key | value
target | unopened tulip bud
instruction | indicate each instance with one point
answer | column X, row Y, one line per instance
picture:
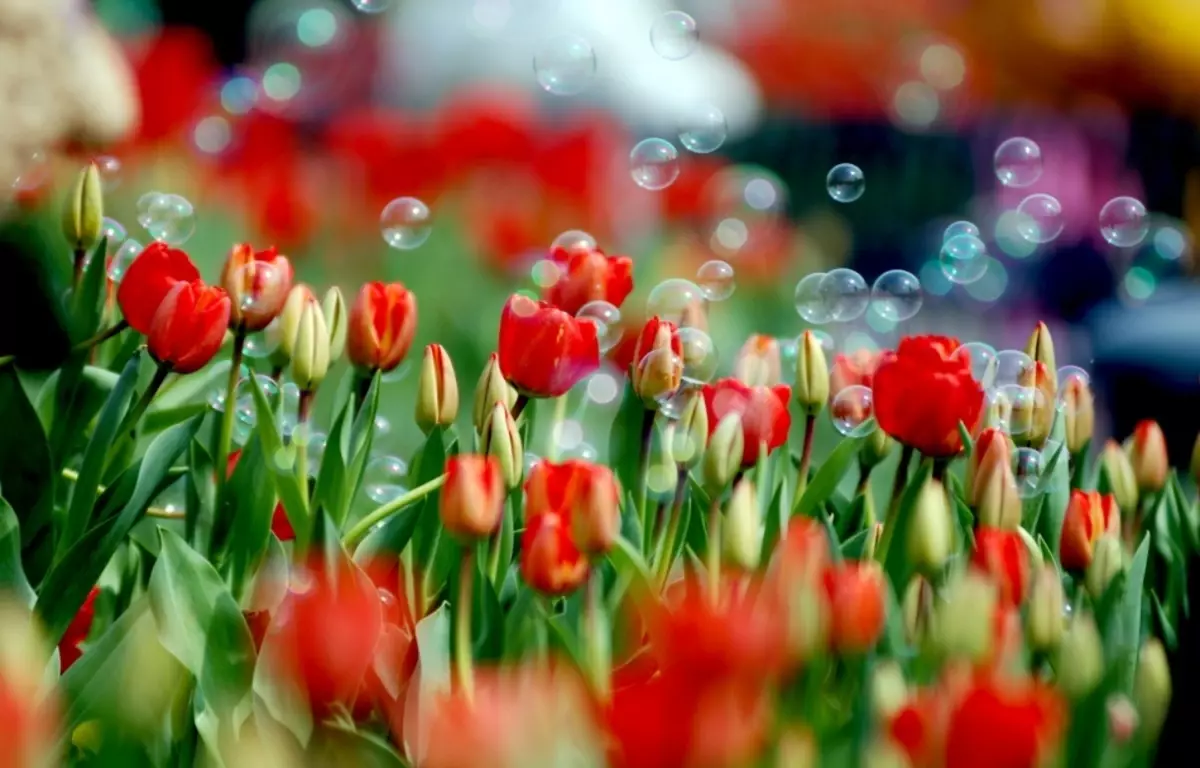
column 437, row 390
column 1033, row 409
column 1152, row 688
column 472, row 500
column 742, row 528
column 917, row 608
column 1148, row 456
column 758, row 362
column 723, row 458
column 889, row 690
column 595, row 509
column 1044, row 623
column 690, row 436
column 1108, row 559
column 1036, row 560
column 1121, row 481
column 930, row 532
column 963, row 621
column 807, row 617
column 334, row 309
column 83, row 215
column 289, row 323
column 998, row 503
column 1079, row 413
column 258, row 284
column 812, row 374
column 1080, row 658
column 491, row 389
column 1040, row 348
column 310, row 357
column 1122, row 718
column 992, row 452
column 658, row 362
column 501, row 438
column 876, row 448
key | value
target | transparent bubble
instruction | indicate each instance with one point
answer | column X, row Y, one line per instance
column 565, row 66
column 112, row 231
column 897, row 295
column 405, row 223
column 1123, row 222
column 851, row 411
column 604, row 386
column 1068, row 372
column 573, row 239
column 570, row 434
column 247, row 413
column 963, row 259
column 1018, row 162
column 144, row 204
column 699, row 355
column 716, row 279
column 844, row 294
column 119, row 264
column 383, row 427
column 1021, row 406
column 1012, row 367
column 317, row 442
column 257, row 280
column 399, row 373
column 531, row 460
column 670, row 407
column 704, row 131
column 809, row 302
column 960, row 228
column 654, row 164
column 982, row 358
column 660, row 366
column 545, row 273
column 845, row 182
column 371, row 6
column 1029, row 465
column 1040, row 218
column 607, row 319
column 672, row 298
column 262, row 343
column 109, row 169
column 383, row 479
column 170, row 219
column 36, row 172
column 288, row 413
column 673, row 35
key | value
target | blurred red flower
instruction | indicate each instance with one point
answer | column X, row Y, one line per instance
column 1002, row 555
column 856, row 368
column 77, row 632
column 858, row 605
column 550, row 561
column 587, row 275
column 764, row 412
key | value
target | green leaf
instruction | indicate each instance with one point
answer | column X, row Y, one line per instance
column 1057, row 486
column 286, row 483
column 69, row 581
column 252, row 495
column 88, row 298
column 337, row 744
column 964, row 434
column 184, row 397
column 520, row 625
column 12, row 572
column 627, row 559
column 776, row 521
column 390, row 538
column 432, row 458
column 85, row 491
column 331, row 478
column 895, row 541
column 433, row 674
column 853, row 547
column 94, row 386
column 1126, row 636
column 26, row 479
column 507, row 534
column 827, row 478
column 277, row 692
column 625, row 438
column 359, row 452
column 1165, row 626
column 487, row 617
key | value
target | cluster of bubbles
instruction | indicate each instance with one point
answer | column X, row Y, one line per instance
column 166, row 217
column 842, row 295
column 405, row 223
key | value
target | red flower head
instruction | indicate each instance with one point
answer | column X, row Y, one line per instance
column 189, row 326
column 257, row 284
column 472, row 500
column 586, row 494
column 543, row 350
column 1089, row 516
column 149, row 279
column 1000, row 723
column 77, row 631
column 856, row 601
column 923, row 390
column 657, row 368
column 1002, row 555
column 856, row 368
column 764, row 412
column 588, row 274
column 383, row 321
column 550, row 561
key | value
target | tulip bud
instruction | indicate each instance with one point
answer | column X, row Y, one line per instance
column 1148, row 456
column 690, row 436
column 334, row 309
column 1044, row 622
column 742, row 528
column 1034, row 409
column 963, row 622
column 930, row 532
column 889, row 690
column 917, row 608
column 999, row 503
column 858, row 608
column 289, row 323
column 472, row 499
column 437, row 390
column 595, row 509
column 992, row 452
column 501, row 438
column 1108, row 559
column 1152, row 688
column 1122, row 718
column 310, row 357
column 1079, row 413
column 1121, row 480
column 658, row 362
column 1080, row 658
column 1032, row 549
column 1040, row 349
column 491, row 389
column 258, row 285
column 876, row 448
column 83, row 215
column 758, row 362
column 723, row 458
column 812, row 374
column 806, row 608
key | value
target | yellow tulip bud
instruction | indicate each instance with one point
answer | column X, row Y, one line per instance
column 743, row 527
column 1044, row 624
column 1080, row 658
column 83, row 215
column 310, row 357
column 1152, row 689
column 963, row 622
column 1121, row 481
column 491, row 389
column 1079, row 413
column 501, row 438
column 930, row 532
column 758, row 362
column 1040, row 349
column 690, row 436
column 437, row 390
column 289, row 323
column 723, row 458
column 1108, row 559
column 812, row 374
column 334, row 309
column 889, row 689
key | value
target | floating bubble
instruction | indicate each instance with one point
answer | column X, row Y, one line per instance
column 673, row 35
column 109, row 169
column 604, row 386
column 810, row 304
column 1123, row 222
column 383, row 479
column 607, row 319
column 288, row 413
column 844, row 293
column 261, row 344
column 743, row 207
column 659, row 365
column 371, row 6
column 1021, row 407
column 258, row 280
column 170, row 219
column 317, row 442
column 1012, row 367
column 960, row 228
column 1068, row 372
column 565, row 66
column 1029, row 466
column 845, row 182
column 126, row 253
column 705, row 130
column 383, row 427
column 851, row 411
column 112, row 231
column 654, row 164
column 699, row 355
column 897, row 295
column 247, row 413
column 143, row 206
column 35, row 174
column 982, row 358
column 569, row 434
column 1040, row 218
column 405, row 223
column 545, row 273
column 672, row 298
column 963, row 259
column 716, row 279
column 573, row 239
column 1018, row 162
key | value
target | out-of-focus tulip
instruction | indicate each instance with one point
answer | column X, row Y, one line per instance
column 1121, row 481
column 437, row 390
column 383, row 321
column 310, row 355
column 889, row 689
column 1148, row 455
column 491, row 389
column 690, row 437
column 1002, row 555
column 1089, row 516
column 931, row 530
column 742, row 529
column 586, row 275
column 1152, row 688
column 1080, row 658
column 585, row 494
column 657, row 369
column 1079, row 413
column 1040, row 349
column 501, row 438
column 812, row 374
column 856, row 600
column 1108, row 560
column 798, row 575
column 758, row 362
column 83, row 214
column 1003, row 722
column 857, row 368
column 77, row 632
column 723, row 458
column 963, row 622
column 763, row 410
column 923, row 391
column 550, row 561
column 334, row 309
column 543, row 350
column 151, row 276
column 1044, row 623
column 472, row 500
column 258, row 284
column 189, row 326
column 1034, row 411
column 29, row 715
column 998, row 503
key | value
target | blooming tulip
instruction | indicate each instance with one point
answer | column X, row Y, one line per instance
column 257, row 283
column 550, row 561
column 856, row 599
column 543, row 351
column 188, row 328
column 1089, row 516
column 657, row 369
column 586, row 275
column 586, row 494
column 763, row 410
column 383, row 321
column 472, row 499
column 437, row 390
column 1148, row 455
column 151, row 276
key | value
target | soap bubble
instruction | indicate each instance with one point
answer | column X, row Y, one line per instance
column 1040, row 218
column 810, row 304
column 565, row 66
column 845, row 182
column 654, row 164
column 704, row 131
column 851, row 411
column 607, row 319
column 384, row 478
column 1018, row 162
column 673, row 35
column 960, row 228
column 963, row 259
column 897, row 295
column 1123, row 222
column 405, row 223
column 716, row 279
column 170, row 219
column 844, row 293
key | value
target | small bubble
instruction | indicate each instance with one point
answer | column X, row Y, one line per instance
column 1040, row 218
column 144, row 204
column 705, row 130
column 603, row 387
column 565, row 66
column 405, row 223
column 963, row 259
column 246, row 410
column 1028, row 467
column 545, row 273
column 109, row 169
column 126, row 253
column 845, row 294
column 716, row 279
column 982, row 358
column 170, row 219
column 1012, row 367
column 960, row 228
column 673, row 35
column 851, row 411
column 672, row 298
column 699, row 355
column 1022, row 405
column 383, row 479
column 1068, row 372
column 809, row 303
column 573, row 239
column 371, row 6
column 531, row 460
column 1123, row 222
column 1018, row 162
column 607, row 319
column 261, row 344
column 845, row 182
column 896, row 295
column 36, row 172
column 654, row 164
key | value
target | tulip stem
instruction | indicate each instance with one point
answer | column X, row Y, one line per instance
column 80, row 263
column 643, row 476
column 6, row 360
column 303, row 410
column 463, row 662
column 810, row 427
column 379, row 514
column 599, row 662
column 225, row 434
column 666, row 548
column 139, row 408
column 100, row 337
column 556, row 422
column 898, row 484
column 713, row 552
column 519, row 405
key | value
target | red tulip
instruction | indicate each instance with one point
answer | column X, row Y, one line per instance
column 77, row 632
column 923, row 390
column 1002, row 555
column 586, row 494
column 857, row 368
column 188, row 328
column 588, row 274
column 472, row 500
column 550, row 561
column 1148, row 456
column 764, row 412
column 543, row 350
column 257, row 284
column 657, row 368
column 1001, row 724
column 383, row 321
column 149, row 279
column 856, row 601
column 1089, row 516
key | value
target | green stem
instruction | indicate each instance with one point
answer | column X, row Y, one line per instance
column 303, row 410
column 556, row 422
column 463, row 661
column 382, row 513
column 898, row 483
column 225, row 435
column 139, row 409
column 666, row 548
column 100, row 337
column 599, row 662
column 519, row 405
column 643, row 474
column 80, row 259
column 713, row 553
column 810, row 427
